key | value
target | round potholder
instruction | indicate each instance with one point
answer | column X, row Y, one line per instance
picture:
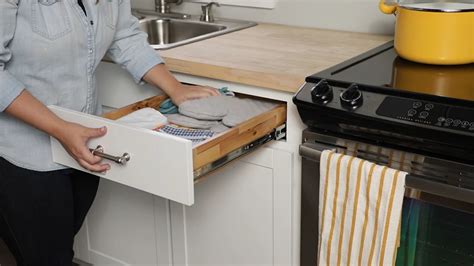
column 209, row 108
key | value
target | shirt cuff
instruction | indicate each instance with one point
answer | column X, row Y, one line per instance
column 142, row 63
column 10, row 88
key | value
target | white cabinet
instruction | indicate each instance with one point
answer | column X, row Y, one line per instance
column 241, row 216
column 243, row 213
column 236, row 219
column 125, row 227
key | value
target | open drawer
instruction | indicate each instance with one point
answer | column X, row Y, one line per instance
column 165, row 165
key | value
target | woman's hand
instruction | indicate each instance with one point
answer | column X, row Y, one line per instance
column 74, row 138
column 160, row 77
column 184, row 93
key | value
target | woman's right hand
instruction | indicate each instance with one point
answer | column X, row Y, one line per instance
column 74, row 138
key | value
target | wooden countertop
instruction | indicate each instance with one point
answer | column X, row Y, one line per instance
column 270, row 56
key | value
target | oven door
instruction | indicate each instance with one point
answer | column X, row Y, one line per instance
column 438, row 210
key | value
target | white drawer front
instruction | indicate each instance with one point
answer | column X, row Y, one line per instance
column 159, row 164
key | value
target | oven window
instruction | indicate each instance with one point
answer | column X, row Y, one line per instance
column 434, row 235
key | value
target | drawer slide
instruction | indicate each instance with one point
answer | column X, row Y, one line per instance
column 278, row 134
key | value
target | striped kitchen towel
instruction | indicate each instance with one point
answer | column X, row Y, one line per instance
column 360, row 207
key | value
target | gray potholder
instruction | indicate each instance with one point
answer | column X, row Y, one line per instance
column 190, row 122
column 219, row 128
column 231, row 110
column 209, row 108
column 241, row 110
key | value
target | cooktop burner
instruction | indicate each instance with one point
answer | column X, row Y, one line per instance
column 379, row 96
column 383, row 68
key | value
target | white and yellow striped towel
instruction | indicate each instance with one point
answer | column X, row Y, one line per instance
column 360, row 207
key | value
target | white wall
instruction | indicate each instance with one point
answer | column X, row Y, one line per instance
column 347, row 15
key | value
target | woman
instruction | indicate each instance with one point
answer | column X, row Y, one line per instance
column 49, row 50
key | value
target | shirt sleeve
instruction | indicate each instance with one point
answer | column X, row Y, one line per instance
column 130, row 47
column 10, row 87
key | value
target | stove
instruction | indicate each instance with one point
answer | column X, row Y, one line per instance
column 381, row 97
column 413, row 117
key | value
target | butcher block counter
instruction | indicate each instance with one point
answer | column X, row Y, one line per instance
column 269, row 56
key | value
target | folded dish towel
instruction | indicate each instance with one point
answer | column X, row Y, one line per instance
column 195, row 135
column 144, row 118
column 360, row 207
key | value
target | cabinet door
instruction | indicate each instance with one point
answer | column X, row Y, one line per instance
column 125, row 227
column 241, row 216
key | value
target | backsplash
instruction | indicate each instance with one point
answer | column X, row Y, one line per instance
column 346, row 15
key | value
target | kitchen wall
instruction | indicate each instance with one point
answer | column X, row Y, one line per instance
column 347, row 15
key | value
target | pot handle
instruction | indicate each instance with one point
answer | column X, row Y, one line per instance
column 387, row 9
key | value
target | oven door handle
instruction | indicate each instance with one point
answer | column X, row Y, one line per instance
column 312, row 151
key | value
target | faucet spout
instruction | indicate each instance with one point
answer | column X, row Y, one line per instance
column 163, row 6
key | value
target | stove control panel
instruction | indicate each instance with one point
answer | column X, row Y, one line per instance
column 428, row 113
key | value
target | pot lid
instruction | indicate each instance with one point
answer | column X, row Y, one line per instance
column 440, row 7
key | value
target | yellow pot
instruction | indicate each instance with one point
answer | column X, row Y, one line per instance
column 434, row 33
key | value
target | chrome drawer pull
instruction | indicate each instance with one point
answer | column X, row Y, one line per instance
column 99, row 151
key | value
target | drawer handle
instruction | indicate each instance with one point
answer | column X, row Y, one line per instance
column 99, row 151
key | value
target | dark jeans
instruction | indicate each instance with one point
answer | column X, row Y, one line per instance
column 41, row 212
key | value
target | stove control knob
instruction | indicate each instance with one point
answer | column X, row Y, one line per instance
column 352, row 97
column 322, row 92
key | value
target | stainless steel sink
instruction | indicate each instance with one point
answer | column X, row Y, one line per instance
column 165, row 33
column 168, row 31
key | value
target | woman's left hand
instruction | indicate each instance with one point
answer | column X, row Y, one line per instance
column 184, row 93
column 159, row 76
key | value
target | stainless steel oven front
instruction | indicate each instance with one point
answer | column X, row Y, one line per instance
column 438, row 210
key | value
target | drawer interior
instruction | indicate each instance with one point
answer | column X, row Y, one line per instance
column 226, row 145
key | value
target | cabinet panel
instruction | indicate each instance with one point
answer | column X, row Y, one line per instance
column 231, row 222
column 241, row 216
column 262, row 157
column 283, row 207
column 127, row 227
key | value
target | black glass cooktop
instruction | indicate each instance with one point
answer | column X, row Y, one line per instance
column 378, row 96
column 386, row 70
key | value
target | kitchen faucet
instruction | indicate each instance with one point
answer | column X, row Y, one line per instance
column 162, row 7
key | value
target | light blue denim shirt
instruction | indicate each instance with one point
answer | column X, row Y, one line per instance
column 52, row 49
